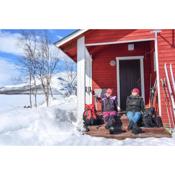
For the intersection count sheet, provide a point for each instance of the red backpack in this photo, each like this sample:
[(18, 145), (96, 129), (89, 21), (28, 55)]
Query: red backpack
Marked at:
[(89, 112)]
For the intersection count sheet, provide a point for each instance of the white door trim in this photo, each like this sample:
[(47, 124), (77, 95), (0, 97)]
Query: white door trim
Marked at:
[(141, 73)]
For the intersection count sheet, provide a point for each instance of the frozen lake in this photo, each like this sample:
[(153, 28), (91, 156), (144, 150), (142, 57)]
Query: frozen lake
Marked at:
[(10, 102)]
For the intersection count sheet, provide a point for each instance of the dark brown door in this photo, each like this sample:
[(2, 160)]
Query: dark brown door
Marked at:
[(129, 78)]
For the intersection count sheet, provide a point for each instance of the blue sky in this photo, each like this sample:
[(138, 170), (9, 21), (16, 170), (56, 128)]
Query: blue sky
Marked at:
[(10, 52)]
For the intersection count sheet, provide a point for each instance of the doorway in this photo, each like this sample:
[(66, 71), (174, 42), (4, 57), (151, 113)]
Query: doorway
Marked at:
[(130, 74)]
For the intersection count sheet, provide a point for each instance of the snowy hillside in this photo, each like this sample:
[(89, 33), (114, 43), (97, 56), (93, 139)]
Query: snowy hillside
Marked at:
[(60, 86)]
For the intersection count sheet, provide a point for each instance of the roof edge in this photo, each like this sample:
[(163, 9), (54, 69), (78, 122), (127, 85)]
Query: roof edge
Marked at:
[(70, 37)]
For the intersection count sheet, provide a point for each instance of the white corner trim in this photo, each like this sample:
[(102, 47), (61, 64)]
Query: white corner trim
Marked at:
[(70, 37), (157, 72), (81, 77), (141, 58), (88, 76)]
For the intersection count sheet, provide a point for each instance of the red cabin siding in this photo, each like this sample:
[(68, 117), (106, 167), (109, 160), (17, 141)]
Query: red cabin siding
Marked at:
[(105, 76), (97, 36), (106, 35), (166, 51)]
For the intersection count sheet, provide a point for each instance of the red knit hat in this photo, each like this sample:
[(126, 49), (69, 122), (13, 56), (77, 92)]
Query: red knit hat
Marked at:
[(136, 90)]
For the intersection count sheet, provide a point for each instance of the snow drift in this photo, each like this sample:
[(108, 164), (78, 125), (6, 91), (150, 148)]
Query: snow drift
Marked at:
[(56, 125)]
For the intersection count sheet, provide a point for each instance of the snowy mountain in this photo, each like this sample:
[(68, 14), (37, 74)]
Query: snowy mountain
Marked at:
[(60, 86)]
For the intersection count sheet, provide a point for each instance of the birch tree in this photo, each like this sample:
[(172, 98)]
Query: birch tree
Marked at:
[(46, 64), (29, 41), (40, 60)]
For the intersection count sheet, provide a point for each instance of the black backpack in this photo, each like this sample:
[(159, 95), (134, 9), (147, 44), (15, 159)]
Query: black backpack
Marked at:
[(158, 121), (150, 119)]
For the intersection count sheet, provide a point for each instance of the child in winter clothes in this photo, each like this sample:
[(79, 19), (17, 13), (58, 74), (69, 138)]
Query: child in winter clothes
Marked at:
[(109, 106)]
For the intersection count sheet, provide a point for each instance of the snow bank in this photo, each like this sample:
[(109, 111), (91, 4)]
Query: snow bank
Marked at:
[(56, 125), (41, 126)]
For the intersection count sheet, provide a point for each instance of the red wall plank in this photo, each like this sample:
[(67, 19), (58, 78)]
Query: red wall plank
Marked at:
[(117, 35), (166, 49), (106, 35)]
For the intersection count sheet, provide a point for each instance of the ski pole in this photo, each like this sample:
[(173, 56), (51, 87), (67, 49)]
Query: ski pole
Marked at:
[(165, 98), (169, 89)]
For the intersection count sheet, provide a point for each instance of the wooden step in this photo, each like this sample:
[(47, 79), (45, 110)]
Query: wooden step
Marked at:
[(101, 131)]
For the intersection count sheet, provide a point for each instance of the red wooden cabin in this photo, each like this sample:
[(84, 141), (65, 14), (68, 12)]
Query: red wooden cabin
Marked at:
[(120, 59)]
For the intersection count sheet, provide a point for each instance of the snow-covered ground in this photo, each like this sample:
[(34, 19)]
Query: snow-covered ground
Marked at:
[(56, 125)]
